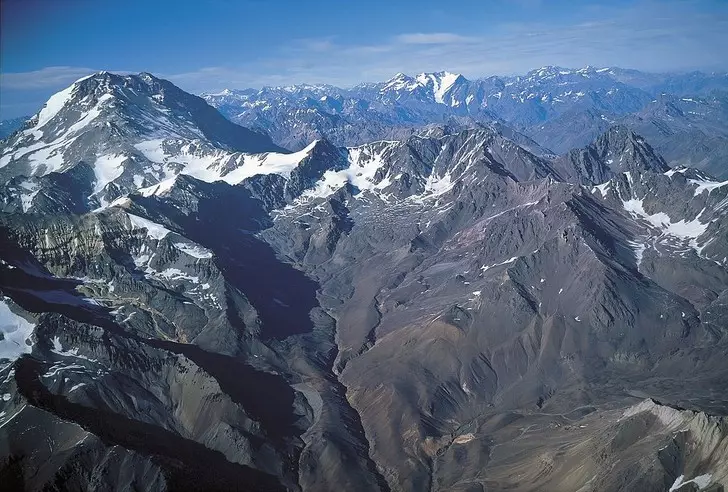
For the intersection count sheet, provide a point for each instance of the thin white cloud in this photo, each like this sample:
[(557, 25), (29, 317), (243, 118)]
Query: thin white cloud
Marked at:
[(48, 77), (316, 44), (434, 38), (224, 77)]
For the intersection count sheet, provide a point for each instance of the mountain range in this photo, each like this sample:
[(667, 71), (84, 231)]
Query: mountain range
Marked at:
[(439, 301), (684, 115)]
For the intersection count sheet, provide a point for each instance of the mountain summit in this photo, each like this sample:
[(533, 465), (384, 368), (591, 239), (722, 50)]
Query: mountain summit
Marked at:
[(127, 101), (122, 127)]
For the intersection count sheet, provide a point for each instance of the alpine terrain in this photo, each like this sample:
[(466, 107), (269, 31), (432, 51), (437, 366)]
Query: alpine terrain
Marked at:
[(685, 116), (424, 284)]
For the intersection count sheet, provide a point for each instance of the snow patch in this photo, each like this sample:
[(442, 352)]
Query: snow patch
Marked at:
[(639, 250), (437, 185), (269, 163), (443, 85), (701, 481), (58, 349), (16, 332), (603, 189), (193, 250), (154, 230), (158, 189), (708, 186), (26, 199), (485, 268), (176, 274), (107, 168), (682, 229), (673, 171), (364, 163), (122, 201)]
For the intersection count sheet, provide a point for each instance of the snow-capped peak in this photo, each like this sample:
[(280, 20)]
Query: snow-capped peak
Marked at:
[(400, 82), (85, 77), (440, 82), (437, 83), (109, 123)]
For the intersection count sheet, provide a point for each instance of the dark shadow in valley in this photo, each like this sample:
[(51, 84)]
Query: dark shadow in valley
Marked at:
[(266, 397), (282, 295), (225, 219), (188, 465)]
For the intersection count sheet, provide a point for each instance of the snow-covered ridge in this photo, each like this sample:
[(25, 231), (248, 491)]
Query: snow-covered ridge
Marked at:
[(364, 163), (665, 229), (58, 101), (705, 185), (209, 164), (400, 82), (158, 232), (46, 156), (154, 230)]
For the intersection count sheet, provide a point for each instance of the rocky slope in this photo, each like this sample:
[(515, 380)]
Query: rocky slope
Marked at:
[(689, 131), (448, 311)]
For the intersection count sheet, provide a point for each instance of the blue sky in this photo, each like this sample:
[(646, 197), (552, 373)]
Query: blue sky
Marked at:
[(214, 44)]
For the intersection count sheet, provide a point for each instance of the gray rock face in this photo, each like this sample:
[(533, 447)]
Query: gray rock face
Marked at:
[(689, 131), (447, 311), (615, 152)]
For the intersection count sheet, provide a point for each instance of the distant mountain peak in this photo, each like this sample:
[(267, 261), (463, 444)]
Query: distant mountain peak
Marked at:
[(442, 74), (559, 107), (549, 70), (400, 81), (435, 84), (224, 92)]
